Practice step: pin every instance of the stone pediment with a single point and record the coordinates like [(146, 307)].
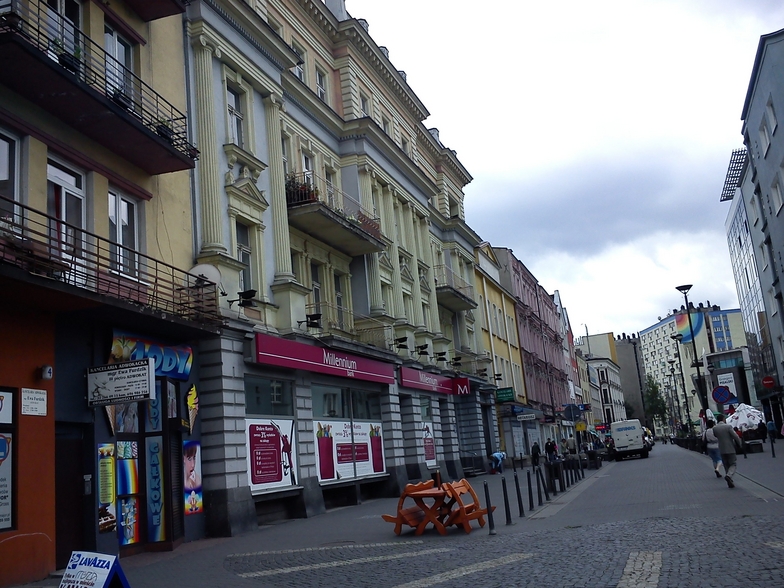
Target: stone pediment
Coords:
[(245, 189), (383, 259)]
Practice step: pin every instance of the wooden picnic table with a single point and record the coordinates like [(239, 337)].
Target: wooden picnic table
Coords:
[(435, 512)]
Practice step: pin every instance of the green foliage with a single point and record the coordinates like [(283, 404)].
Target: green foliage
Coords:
[(655, 405)]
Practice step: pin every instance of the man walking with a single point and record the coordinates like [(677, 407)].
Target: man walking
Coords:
[(771, 430), (728, 441)]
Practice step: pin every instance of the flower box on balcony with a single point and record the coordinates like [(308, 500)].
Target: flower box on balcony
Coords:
[(299, 192), (122, 99), (165, 131)]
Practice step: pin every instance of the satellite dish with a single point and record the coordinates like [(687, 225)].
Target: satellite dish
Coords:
[(203, 271)]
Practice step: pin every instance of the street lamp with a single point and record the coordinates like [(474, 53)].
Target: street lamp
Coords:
[(678, 338), (703, 397)]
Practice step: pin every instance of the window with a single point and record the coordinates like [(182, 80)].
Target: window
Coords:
[(63, 22), (119, 69), (65, 203), (754, 209), (8, 174), (365, 405), (364, 105), (329, 401), (764, 135), (765, 256), (244, 256), (123, 234), (426, 408), (772, 120), (299, 69), (315, 285), (235, 110), (329, 180), (385, 124), (339, 304), (284, 149), (321, 85), (265, 396), (404, 146), (307, 167)]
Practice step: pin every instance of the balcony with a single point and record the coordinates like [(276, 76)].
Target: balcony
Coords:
[(339, 321), (154, 9), (58, 68), (452, 291), (85, 265), (319, 209)]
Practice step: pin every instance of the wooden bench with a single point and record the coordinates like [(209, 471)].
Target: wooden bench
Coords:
[(412, 515), (463, 513)]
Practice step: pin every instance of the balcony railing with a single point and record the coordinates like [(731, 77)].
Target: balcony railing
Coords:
[(46, 246), (38, 26), (307, 187), (452, 290), (338, 320)]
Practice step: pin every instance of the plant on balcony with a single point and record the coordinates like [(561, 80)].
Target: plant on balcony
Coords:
[(70, 60), (164, 129), (120, 97), (300, 191)]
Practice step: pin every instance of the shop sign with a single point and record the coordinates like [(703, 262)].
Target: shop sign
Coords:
[(156, 509), (526, 417), (290, 354), (33, 402), (118, 383), (422, 380), (93, 570), (505, 394), (170, 361), (461, 386)]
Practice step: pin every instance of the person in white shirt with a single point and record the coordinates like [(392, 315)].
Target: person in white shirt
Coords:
[(712, 447)]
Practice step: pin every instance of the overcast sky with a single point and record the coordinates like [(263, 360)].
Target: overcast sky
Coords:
[(598, 135)]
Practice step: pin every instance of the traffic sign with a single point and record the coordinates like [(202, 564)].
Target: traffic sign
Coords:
[(581, 426), (721, 394), (768, 382)]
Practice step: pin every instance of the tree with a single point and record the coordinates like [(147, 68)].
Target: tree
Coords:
[(629, 410), (655, 405)]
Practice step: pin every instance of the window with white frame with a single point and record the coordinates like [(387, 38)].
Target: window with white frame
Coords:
[(329, 181), (339, 302), (299, 69), (315, 286), (321, 85), (119, 70), (385, 124), (123, 233), (284, 149), (776, 196), (754, 209), (244, 255), (307, 167), (405, 146), (65, 204), (63, 21), (764, 255), (364, 105), (764, 136), (235, 110), (8, 177), (772, 120)]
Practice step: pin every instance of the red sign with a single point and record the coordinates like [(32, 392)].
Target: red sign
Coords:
[(768, 382), (461, 386), (411, 378), (265, 454), (290, 354)]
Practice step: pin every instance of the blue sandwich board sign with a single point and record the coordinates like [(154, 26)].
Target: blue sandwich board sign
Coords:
[(93, 570)]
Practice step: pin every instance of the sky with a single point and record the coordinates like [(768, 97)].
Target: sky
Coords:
[(598, 135)]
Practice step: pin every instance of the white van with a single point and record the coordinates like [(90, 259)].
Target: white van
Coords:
[(629, 437)]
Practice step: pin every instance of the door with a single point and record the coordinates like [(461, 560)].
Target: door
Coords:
[(70, 495), (65, 202)]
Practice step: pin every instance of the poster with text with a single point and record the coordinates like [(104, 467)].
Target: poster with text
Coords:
[(429, 444), (271, 453), (191, 463), (6, 481), (342, 449), (107, 495)]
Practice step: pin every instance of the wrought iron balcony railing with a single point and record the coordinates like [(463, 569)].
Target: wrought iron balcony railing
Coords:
[(307, 187), (57, 38), (44, 245), (444, 276), (338, 320)]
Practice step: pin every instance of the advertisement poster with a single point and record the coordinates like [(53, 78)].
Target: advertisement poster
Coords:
[(169, 360), (518, 438), (107, 514), (156, 524), (6, 481), (271, 453), (6, 407), (92, 570), (340, 448), (120, 382), (191, 463), (429, 444), (128, 528), (533, 437)]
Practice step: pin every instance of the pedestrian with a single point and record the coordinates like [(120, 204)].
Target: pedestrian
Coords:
[(729, 442), (571, 445), (712, 447), (772, 431), (564, 448), (550, 449), (536, 451), (498, 461)]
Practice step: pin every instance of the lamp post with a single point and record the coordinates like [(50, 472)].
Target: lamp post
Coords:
[(703, 397), (678, 338)]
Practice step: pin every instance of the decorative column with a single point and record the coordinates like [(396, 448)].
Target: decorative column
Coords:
[(427, 250), (416, 291), (374, 275), (277, 196), (397, 285), (209, 173)]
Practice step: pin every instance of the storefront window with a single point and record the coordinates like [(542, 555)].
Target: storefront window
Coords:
[(265, 396), (366, 405)]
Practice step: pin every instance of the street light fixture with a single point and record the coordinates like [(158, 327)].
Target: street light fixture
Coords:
[(703, 397)]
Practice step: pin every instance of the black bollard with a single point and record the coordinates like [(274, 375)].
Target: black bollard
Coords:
[(544, 484), (582, 471), (491, 522), (772, 448), (519, 496), (438, 478), (507, 509), (537, 475), (531, 493)]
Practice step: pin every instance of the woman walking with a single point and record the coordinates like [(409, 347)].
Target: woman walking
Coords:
[(712, 447)]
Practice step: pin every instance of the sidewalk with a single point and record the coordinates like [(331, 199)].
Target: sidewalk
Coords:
[(763, 468)]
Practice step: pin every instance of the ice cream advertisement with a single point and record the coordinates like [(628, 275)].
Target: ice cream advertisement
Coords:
[(345, 450), (271, 453), (191, 463)]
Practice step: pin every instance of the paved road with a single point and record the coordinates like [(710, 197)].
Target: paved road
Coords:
[(661, 522)]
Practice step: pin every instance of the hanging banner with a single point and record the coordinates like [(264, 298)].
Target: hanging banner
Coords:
[(107, 513), (271, 453), (170, 361), (191, 463)]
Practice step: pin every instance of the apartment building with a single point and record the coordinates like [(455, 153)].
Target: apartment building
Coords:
[(96, 241), (348, 363)]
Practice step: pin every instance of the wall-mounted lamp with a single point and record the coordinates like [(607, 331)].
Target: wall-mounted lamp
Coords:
[(401, 342), (482, 373), (312, 321), (47, 372), (498, 377), (245, 299), (440, 356), (422, 349), (456, 362)]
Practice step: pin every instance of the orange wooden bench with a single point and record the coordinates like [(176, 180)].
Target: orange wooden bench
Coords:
[(463, 513), (412, 515)]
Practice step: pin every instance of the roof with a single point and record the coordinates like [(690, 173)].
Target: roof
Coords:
[(764, 40)]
